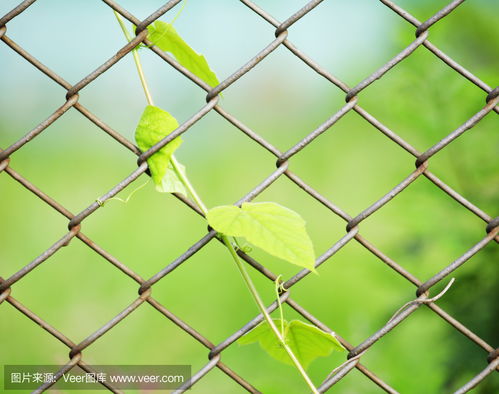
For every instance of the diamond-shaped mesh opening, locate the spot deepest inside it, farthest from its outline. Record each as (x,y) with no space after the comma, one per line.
(205,148)
(214,303)
(146,337)
(72,314)
(348,162)
(458,37)
(40,95)
(407,109)
(346,270)
(420,249)
(38,31)
(64,169)
(470,170)
(25,234)
(426,332)
(331,23)
(282,107)
(151,244)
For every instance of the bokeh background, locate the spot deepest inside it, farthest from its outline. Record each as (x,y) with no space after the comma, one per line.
(352,164)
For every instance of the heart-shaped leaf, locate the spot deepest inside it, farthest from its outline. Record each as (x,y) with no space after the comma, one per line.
(305,340)
(270,226)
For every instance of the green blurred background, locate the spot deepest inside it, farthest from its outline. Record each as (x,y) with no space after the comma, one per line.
(352,164)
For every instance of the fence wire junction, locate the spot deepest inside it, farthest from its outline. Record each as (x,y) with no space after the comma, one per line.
(491,225)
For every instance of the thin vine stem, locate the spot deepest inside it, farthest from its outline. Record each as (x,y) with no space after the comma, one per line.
(199,202)
(263,310)
(279,304)
(145,86)
(185,181)
(184,3)
(136,58)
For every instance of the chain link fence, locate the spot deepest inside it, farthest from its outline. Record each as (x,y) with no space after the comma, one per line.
(353,234)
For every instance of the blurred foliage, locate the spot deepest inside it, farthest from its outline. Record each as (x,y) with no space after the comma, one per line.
(437,100)
(352,164)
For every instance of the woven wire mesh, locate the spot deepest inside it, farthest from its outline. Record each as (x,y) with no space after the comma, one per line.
(352,94)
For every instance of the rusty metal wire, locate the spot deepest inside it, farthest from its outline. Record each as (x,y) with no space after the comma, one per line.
(423,287)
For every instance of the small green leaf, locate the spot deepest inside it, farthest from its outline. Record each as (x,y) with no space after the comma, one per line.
(277,230)
(171,182)
(306,341)
(262,330)
(154,125)
(165,37)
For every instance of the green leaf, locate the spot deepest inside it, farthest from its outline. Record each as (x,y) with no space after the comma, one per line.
(165,37)
(277,230)
(261,331)
(154,125)
(305,340)
(171,182)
